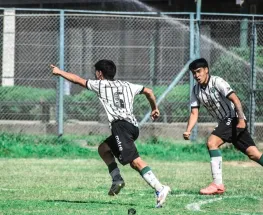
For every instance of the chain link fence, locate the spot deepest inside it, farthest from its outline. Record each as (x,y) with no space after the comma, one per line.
(148,50)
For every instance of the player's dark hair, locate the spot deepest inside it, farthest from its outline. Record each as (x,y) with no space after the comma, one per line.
(198,63)
(107,67)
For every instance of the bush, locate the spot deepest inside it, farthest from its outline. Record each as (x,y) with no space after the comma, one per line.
(237,72)
(23,103)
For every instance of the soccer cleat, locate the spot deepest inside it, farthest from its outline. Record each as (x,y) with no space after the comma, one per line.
(213,189)
(116,187)
(161,196)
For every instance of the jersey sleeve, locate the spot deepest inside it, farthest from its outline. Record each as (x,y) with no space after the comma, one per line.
(195,103)
(93,85)
(223,87)
(136,88)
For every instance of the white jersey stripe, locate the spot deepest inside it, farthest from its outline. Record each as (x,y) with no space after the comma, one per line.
(215,103)
(117,98)
(214,98)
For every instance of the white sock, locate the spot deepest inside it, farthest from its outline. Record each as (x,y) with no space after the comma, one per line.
(150,178)
(216,169)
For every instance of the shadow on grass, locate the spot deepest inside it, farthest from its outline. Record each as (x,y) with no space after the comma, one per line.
(91,202)
(186,192)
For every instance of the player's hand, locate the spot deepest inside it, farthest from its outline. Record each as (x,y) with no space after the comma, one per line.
(155,114)
(55,70)
(241,126)
(241,123)
(187,135)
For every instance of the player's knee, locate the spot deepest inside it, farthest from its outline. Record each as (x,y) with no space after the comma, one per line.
(132,166)
(138,163)
(253,157)
(103,147)
(211,145)
(253,153)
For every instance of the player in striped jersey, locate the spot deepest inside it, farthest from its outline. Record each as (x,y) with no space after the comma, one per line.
(223,104)
(117,99)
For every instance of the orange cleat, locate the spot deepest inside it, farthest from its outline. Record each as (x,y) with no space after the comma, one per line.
(213,189)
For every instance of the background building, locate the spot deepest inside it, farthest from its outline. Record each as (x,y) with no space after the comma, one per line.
(218,6)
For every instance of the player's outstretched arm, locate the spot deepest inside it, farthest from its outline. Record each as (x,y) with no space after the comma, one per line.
(151,98)
(238,106)
(69,76)
(191,123)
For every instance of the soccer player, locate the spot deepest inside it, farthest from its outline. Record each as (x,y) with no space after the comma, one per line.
(223,104)
(117,99)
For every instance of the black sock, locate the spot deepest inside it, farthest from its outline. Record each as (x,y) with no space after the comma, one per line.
(114,172)
(112,166)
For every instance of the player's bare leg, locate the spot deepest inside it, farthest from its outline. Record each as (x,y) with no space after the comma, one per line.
(161,190)
(216,187)
(254,154)
(107,156)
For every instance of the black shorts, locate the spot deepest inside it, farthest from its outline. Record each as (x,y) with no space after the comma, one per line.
(228,132)
(121,142)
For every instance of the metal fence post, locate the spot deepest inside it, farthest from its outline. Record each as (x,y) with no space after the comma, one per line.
(60,85)
(197,27)
(252,104)
(243,33)
(196,53)
(192,56)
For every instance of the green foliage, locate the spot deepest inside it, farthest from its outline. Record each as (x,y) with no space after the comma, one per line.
(25,146)
(236,69)
(20,102)
(27,94)
(175,104)
(83,106)
(167,150)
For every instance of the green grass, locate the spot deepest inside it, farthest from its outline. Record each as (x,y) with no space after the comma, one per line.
(80,186)
(50,175)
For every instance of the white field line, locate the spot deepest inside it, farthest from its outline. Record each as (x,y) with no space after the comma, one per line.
(8,189)
(196,206)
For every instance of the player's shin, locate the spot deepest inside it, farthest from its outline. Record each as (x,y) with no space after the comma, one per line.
(216,166)
(114,172)
(151,179)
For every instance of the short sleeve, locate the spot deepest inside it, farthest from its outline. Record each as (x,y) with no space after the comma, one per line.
(223,87)
(93,85)
(194,101)
(136,88)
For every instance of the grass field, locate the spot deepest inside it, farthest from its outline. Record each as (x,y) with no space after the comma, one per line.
(80,186)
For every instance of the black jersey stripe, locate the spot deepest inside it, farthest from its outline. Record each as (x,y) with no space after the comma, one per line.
(226,104)
(129,98)
(217,100)
(124,97)
(111,92)
(208,103)
(129,88)
(110,113)
(225,100)
(113,99)
(99,87)
(106,96)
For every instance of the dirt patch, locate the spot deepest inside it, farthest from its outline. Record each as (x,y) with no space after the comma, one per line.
(241,163)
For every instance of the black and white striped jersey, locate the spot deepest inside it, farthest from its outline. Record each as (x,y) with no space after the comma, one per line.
(117,98)
(214,98)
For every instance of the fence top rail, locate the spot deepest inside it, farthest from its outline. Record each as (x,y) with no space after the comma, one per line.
(155,13)
(232,14)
